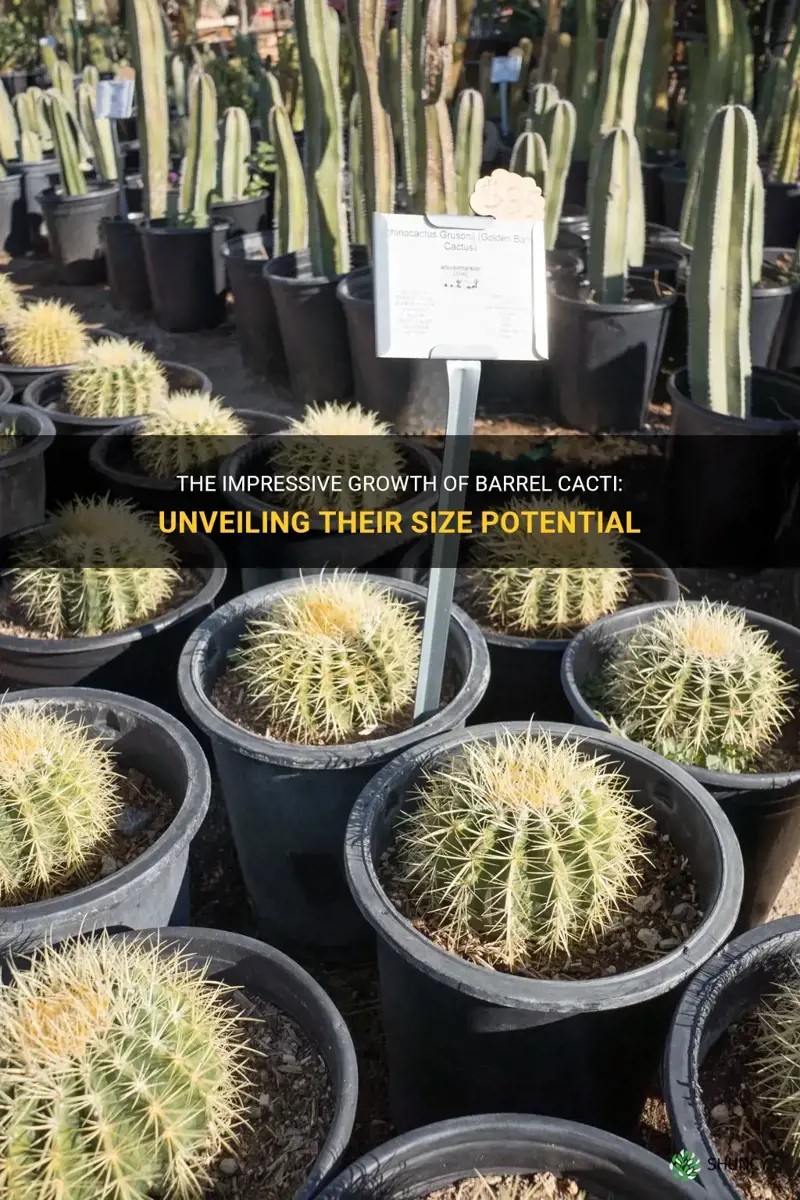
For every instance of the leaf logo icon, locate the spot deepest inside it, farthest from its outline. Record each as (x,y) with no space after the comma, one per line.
(685,1165)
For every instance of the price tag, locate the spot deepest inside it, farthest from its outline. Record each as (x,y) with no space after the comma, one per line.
(506,69)
(114,98)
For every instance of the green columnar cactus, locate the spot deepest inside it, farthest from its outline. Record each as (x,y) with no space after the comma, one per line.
(517,92)
(58,800)
(390,78)
(9,129)
(529,158)
(560,125)
(291,80)
(269,95)
(91,75)
(29,121)
(38,98)
(64,82)
(358,211)
(290,207)
(468,146)
(719,75)
(465,10)
(584,75)
(542,97)
(654,87)
(367,19)
(427,32)
(101,583)
(771,93)
(149,54)
(30,148)
(622,68)
(719,334)
(199,167)
(65,138)
(46,334)
(177,75)
(49,58)
(133,1038)
(785,161)
(611,216)
(561,65)
(184,431)
(317,26)
(695,99)
(234,159)
(115,379)
(522,846)
(701,686)
(742,82)
(331,662)
(97,131)
(777,1063)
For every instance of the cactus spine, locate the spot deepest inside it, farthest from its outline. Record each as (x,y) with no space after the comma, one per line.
(611,222)
(584,75)
(358,212)
(468,146)
(317,26)
(199,168)
(234,162)
(98,132)
(718,291)
(65,138)
(149,53)
(559,134)
(367,19)
(290,203)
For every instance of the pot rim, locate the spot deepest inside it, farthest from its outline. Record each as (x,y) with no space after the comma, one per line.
(273,274)
(10,370)
(151,228)
(679,395)
(234,246)
(634,305)
(42,437)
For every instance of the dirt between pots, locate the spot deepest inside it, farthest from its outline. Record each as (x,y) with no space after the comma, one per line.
(512,1187)
(289,1118)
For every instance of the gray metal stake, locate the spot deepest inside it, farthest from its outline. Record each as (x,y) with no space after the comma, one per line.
(463,380)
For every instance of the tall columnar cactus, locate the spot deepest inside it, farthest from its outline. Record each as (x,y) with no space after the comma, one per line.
(542,97)
(771,94)
(367,19)
(98,132)
(355,162)
(517,93)
(234,159)
(468,145)
(149,53)
(723,72)
(584,75)
(654,89)
(613,219)
(91,75)
(785,160)
(64,82)
(9,129)
(290,206)
(695,98)
(318,32)
(559,135)
(199,167)
(427,34)
(464,16)
(529,158)
(622,68)
(65,138)
(743,68)
(269,95)
(719,286)
(178,83)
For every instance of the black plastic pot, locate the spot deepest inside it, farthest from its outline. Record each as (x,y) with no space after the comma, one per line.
(654,163)
(73,229)
(125,265)
(253,307)
(21,378)
(525,679)
(422,1162)
(764,809)
(243,216)
(14,81)
(768,313)
(605,357)
(673,185)
(738,498)
(781,213)
(662,235)
(786,347)
(186,275)
(13,222)
(465,1039)
(37,177)
(722,993)
(138,662)
(664,262)
(153,889)
(22,474)
(6,391)
(573,229)
(313,327)
(289,804)
(577,182)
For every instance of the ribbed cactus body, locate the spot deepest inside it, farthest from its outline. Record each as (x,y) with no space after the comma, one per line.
(784,164)
(585,74)
(529,158)
(517,93)
(184,431)
(622,67)
(743,67)
(290,207)
(199,167)
(64,82)
(234,159)
(367,20)
(91,75)
(9,129)
(468,146)
(560,125)
(269,95)
(355,162)
(776,1063)
(46,334)
(10,300)
(97,131)
(149,54)
(318,32)
(178,82)
(427,33)
(542,97)
(610,229)
(34,134)
(654,85)
(115,379)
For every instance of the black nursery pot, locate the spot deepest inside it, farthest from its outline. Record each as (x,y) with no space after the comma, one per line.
(464,1039)
(253,307)
(673,185)
(605,357)
(429,1159)
(764,809)
(37,177)
(242,216)
(153,889)
(664,262)
(14,81)
(313,328)
(21,378)
(525,680)
(781,213)
(125,265)
(722,993)
(289,804)
(13,222)
(141,661)
(653,166)
(186,275)
(73,228)
(22,474)
(769,310)
(577,182)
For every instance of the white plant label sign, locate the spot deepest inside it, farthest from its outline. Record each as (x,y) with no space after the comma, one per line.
(114,99)
(506,69)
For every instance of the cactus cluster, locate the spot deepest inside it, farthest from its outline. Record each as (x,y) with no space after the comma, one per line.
(98,133)
(47,333)
(184,431)
(83,573)
(701,686)
(125,1073)
(337,440)
(777,1063)
(66,136)
(58,800)
(115,379)
(523,846)
(330,662)
(544,585)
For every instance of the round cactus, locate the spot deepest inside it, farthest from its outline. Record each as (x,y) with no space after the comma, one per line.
(10,300)
(331,661)
(46,334)
(543,583)
(96,567)
(699,685)
(187,429)
(525,844)
(124,1074)
(58,799)
(116,379)
(338,439)
(777,1059)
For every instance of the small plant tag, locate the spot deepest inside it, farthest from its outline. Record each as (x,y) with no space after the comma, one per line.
(114,99)
(506,69)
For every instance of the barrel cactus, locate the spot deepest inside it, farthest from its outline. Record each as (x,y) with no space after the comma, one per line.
(187,429)
(96,567)
(129,1057)
(542,585)
(777,1064)
(58,800)
(115,379)
(10,300)
(700,685)
(47,333)
(330,662)
(523,846)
